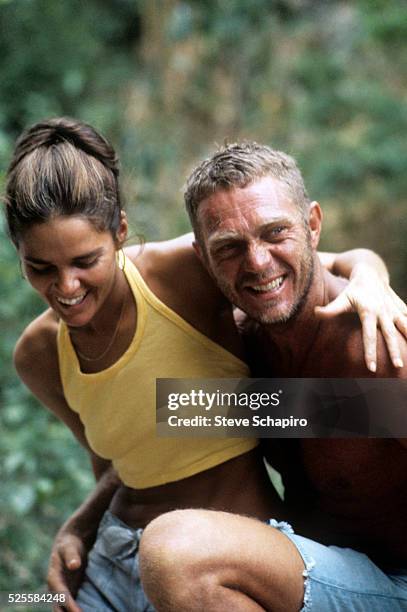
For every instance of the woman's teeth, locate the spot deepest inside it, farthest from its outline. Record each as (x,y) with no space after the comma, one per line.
(274,284)
(72,301)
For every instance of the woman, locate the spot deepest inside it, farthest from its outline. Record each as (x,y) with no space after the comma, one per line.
(115,322)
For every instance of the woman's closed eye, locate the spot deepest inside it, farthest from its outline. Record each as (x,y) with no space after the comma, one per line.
(39,269)
(87,263)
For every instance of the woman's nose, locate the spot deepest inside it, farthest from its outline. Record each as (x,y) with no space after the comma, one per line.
(68,282)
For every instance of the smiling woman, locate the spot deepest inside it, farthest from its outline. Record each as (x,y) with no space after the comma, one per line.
(114,324)
(93,356)
(73,267)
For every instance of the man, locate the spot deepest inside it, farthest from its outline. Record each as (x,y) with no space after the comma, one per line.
(257,233)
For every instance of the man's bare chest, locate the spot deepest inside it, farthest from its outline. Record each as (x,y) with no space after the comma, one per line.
(355,472)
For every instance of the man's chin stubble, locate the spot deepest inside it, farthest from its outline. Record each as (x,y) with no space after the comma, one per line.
(295,310)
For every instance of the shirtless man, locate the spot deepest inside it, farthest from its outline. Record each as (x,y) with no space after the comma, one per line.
(200,303)
(257,233)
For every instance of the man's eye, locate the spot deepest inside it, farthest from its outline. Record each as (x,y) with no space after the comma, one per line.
(275,232)
(226,249)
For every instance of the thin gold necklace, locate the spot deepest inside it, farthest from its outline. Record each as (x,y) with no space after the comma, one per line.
(112,339)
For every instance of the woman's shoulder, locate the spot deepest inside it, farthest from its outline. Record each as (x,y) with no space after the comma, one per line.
(36,362)
(36,349)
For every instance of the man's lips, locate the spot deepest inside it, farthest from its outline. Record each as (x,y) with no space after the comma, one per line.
(265,286)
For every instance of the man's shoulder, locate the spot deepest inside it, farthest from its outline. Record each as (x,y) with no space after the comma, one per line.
(339,351)
(385,367)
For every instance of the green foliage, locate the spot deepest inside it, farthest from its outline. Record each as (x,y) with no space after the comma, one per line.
(165,79)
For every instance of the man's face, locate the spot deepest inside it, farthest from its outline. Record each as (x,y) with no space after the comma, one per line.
(257,246)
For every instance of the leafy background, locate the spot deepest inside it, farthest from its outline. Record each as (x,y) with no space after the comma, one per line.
(165,80)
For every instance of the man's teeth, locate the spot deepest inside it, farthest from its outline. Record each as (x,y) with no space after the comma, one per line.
(274,284)
(71,301)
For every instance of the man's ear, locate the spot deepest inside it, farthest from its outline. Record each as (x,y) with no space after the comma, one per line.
(198,250)
(121,234)
(315,223)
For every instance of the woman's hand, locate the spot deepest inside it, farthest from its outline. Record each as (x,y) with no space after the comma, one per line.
(67,565)
(377,305)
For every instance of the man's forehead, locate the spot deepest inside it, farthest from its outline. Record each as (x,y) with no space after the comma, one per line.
(261,203)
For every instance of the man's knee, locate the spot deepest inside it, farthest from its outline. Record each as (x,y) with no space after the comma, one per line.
(190,554)
(170,556)
(174,538)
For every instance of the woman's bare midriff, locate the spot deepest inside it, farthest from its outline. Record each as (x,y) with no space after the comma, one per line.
(240,485)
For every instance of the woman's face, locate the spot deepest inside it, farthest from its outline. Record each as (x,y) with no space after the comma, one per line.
(72,265)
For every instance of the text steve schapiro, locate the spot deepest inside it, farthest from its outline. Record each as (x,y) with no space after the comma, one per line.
(205,400)
(255,420)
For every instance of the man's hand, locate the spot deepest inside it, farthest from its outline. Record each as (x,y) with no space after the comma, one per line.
(67,566)
(377,305)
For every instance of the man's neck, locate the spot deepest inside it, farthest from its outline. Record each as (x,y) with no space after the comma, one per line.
(295,338)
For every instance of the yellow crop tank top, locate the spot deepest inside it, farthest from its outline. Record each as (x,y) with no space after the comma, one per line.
(117,405)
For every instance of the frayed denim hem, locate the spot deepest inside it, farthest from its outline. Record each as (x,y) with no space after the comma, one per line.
(286,528)
(307,601)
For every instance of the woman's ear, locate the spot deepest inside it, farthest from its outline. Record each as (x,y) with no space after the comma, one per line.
(121,234)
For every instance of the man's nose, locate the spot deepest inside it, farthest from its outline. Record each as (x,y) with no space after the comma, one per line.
(258,257)
(68,282)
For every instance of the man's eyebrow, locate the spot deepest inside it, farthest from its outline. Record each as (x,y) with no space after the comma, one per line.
(274,223)
(37,260)
(219,237)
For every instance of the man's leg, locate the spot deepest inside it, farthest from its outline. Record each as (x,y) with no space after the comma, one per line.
(194,560)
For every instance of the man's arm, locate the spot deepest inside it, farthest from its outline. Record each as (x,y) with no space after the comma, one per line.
(76,536)
(370,295)
(343,264)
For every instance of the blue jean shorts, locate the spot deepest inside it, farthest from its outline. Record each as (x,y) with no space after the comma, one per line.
(344,580)
(112,580)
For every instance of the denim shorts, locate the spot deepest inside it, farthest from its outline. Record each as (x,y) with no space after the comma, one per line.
(112,580)
(344,580)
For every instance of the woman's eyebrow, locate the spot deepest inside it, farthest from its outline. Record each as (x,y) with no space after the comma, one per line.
(94,253)
(37,260)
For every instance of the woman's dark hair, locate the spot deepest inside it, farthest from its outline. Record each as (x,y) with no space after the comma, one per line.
(62,167)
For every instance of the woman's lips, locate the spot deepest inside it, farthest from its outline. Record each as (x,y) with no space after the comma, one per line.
(74,301)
